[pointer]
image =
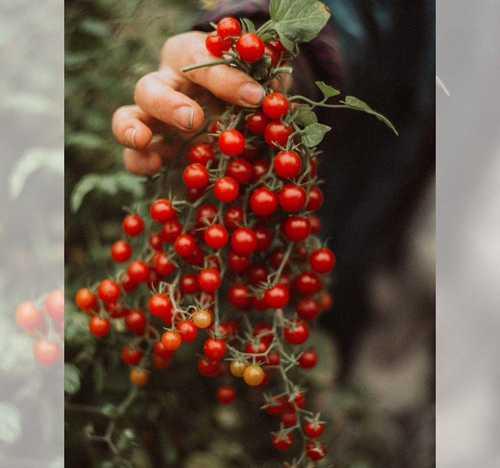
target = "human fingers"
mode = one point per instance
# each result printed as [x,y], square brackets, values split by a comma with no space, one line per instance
[158,95]
[224,82]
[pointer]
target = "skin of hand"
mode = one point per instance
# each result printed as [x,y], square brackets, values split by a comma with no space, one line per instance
[169,102]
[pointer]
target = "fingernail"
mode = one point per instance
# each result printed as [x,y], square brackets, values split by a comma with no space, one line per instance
[184,116]
[130,136]
[252,94]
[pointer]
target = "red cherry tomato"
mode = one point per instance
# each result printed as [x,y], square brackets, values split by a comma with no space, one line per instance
[226,189]
[229,27]
[250,47]
[232,143]
[287,164]
[275,106]
[244,241]
[133,225]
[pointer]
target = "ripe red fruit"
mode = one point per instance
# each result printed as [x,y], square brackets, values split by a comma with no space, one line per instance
[227,189]
[287,164]
[276,406]
[240,170]
[216,236]
[138,272]
[277,134]
[54,305]
[216,45]
[296,333]
[162,210]
[229,27]
[298,400]
[309,359]
[316,199]
[275,106]
[277,297]
[257,123]
[172,340]
[109,291]
[189,284]
[264,238]
[135,322]
[99,327]
[86,300]
[46,352]
[260,168]
[209,368]
[289,418]
[226,394]
[323,260]
[171,231]
[282,441]
[273,359]
[308,283]
[308,309]
[263,202]
[127,284]
[131,355]
[238,263]
[297,228]
[273,54]
[160,351]
[156,242]
[161,306]
[232,143]
[196,176]
[133,225]
[315,451]
[292,198]
[209,280]
[185,245]
[201,153]
[240,297]
[234,217]
[163,265]
[121,251]
[187,330]
[315,224]
[244,241]
[257,274]
[250,47]
[206,214]
[215,349]
[314,429]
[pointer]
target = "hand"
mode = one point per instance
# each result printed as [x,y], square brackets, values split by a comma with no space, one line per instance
[168,102]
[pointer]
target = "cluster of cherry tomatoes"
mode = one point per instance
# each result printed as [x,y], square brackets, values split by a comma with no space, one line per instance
[45,324]
[236,259]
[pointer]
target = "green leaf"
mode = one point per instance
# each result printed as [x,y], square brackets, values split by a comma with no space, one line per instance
[313,134]
[71,379]
[357,104]
[248,25]
[107,184]
[327,90]
[84,140]
[10,423]
[305,116]
[32,161]
[298,20]
[95,27]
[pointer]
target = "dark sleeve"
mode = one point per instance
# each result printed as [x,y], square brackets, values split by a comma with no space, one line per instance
[319,60]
